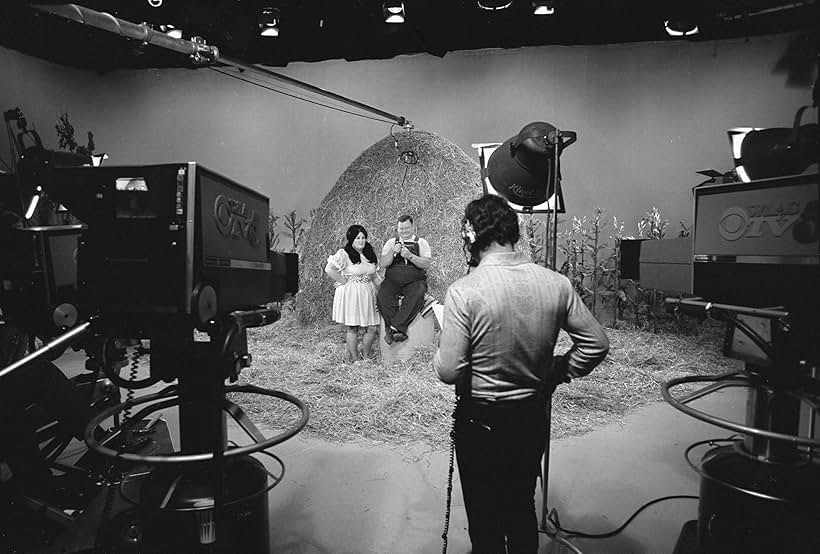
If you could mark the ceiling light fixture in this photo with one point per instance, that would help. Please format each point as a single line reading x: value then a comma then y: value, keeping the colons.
x: 680, y: 27
x: 494, y: 5
x: 269, y: 22
x: 393, y: 11
x: 543, y: 7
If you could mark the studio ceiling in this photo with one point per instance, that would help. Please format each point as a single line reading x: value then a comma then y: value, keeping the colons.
x: 315, y: 30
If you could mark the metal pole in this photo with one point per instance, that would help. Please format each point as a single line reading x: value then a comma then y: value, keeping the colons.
x: 702, y: 304
x: 813, y: 414
x: 199, y: 51
x: 547, y: 230
x: 398, y: 119
x: 555, y: 194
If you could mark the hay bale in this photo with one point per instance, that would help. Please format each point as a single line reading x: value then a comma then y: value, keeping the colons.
x: 373, y: 191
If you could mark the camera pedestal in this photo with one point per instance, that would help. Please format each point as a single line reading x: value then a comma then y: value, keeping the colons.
x: 688, y: 539
x: 208, y: 497
x: 760, y: 489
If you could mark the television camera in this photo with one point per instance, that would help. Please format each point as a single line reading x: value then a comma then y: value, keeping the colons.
x: 173, y: 259
x: 756, y: 266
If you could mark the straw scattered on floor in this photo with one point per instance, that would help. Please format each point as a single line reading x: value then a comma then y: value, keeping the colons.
x: 401, y: 403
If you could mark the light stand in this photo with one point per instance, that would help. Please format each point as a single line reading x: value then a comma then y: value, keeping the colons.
x: 556, y: 186
x: 532, y: 166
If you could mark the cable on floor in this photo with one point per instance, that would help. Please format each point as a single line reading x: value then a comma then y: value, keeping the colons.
x: 556, y: 522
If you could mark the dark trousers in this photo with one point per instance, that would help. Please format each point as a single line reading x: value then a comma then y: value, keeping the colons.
x: 404, y: 280
x: 499, y: 458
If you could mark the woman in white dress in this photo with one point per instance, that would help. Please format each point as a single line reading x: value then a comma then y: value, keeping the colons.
x: 354, y: 268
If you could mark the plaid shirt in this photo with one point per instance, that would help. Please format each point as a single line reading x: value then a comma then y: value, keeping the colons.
x: 502, y: 321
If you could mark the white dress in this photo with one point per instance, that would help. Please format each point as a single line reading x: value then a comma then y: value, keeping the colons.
x: 354, y: 303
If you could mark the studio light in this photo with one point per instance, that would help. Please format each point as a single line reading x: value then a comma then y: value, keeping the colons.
x: 524, y: 169
x: 269, y: 22
x: 155, y: 3
x: 681, y: 27
x: 543, y: 7
x: 494, y: 5
x: 393, y: 11
x: 774, y: 152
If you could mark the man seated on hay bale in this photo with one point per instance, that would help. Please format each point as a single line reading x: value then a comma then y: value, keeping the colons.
x: 406, y: 258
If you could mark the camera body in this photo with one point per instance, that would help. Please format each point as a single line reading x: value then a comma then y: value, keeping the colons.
x: 757, y: 244
x: 169, y: 244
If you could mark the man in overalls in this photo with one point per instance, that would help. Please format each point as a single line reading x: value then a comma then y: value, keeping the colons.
x: 406, y: 258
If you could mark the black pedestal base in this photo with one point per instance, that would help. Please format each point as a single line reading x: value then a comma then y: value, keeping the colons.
x: 688, y: 539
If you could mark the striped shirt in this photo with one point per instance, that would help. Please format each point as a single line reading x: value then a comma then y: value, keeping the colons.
x: 502, y: 321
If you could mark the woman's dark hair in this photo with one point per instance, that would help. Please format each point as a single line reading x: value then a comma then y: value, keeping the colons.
x: 353, y: 232
x: 493, y: 220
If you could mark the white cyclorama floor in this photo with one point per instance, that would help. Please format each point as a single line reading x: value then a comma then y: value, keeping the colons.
x: 360, y: 498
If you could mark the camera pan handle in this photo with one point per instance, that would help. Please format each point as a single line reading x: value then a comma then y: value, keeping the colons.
x: 725, y: 423
x: 60, y: 342
x: 170, y: 397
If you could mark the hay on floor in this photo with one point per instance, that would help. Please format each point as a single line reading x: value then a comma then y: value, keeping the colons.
x: 404, y: 403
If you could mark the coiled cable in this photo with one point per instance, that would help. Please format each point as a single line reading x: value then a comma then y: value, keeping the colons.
x: 449, y: 485
x: 133, y: 372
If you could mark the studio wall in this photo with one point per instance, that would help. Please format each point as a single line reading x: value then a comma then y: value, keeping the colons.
x: 647, y: 115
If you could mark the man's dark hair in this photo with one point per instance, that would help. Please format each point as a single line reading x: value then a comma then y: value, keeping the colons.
x: 353, y: 232
x: 492, y: 220
x: 405, y: 217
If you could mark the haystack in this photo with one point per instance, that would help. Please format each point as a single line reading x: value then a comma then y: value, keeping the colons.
x: 426, y: 176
